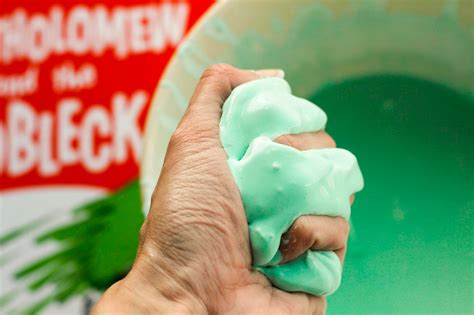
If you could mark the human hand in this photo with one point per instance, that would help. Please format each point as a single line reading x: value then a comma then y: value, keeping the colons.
x: 194, y: 254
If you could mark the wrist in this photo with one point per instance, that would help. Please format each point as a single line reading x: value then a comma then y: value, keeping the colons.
x: 148, y: 290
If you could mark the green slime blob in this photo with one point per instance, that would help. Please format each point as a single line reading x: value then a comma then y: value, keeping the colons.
x: 278, y: 183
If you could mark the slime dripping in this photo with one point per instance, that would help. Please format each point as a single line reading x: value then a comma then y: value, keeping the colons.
x: 278, y: 183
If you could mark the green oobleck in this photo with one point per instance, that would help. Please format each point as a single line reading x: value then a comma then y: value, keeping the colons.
x: 411, y: 250
x: 278, y: 183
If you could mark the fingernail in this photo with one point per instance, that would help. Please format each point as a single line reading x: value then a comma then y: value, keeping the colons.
x: 285, y: 243
x: 287, y: 248
x: 274, y: 73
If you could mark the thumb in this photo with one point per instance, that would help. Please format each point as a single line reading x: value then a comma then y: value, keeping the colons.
x: 216, y: 84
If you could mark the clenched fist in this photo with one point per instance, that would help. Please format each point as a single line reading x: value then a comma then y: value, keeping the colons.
x: 194, y: 255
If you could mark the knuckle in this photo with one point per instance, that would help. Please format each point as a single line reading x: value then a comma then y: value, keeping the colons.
x: 298, y: 225
x: 303, y: 230
x: 305, y: 223
x: 217, y: 70
x: 346, y: 229
x: 216, y: 82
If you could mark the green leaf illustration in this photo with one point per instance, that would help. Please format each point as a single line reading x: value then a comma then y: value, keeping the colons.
x: 95, y: 249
